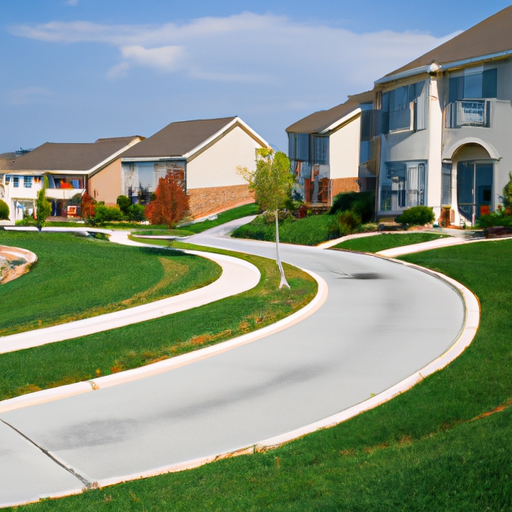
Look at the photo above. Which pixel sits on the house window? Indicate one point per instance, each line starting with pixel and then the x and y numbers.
pixel 27 181
pixel 298 146
pixel 404 108
pixel 321 150
pixel 402 185
pixel 15 181
pixel 467 93
pixel 473 83
pixel 7 179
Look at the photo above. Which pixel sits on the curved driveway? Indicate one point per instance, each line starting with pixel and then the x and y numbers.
pixel 381 322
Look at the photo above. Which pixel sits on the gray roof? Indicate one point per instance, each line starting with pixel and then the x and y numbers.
pixel 53 156
pixel 490 36
pixel 319 121
pixel 178 138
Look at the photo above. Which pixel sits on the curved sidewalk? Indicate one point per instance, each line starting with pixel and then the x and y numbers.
pixel 237 276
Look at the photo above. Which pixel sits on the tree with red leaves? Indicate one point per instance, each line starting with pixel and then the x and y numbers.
pixel 87 207
pixel 171 203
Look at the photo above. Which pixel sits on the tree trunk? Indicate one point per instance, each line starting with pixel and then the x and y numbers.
pixel 283 282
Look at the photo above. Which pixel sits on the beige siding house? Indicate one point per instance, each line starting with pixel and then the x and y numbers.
pixel 327 152
pixel 204 154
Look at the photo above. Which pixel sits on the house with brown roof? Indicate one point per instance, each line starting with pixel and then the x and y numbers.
pixel 203 154
pixel 328 154
pixel 446 120
pixel 435 132
pixel 67 166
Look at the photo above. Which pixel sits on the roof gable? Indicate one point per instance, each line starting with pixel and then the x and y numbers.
pixel 323 119
pixel 491 36
pixel 179 138
pixel 71 156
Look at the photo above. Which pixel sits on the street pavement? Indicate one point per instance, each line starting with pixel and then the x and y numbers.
pixel 381 322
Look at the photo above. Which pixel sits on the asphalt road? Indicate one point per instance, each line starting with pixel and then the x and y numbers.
pixel 381 322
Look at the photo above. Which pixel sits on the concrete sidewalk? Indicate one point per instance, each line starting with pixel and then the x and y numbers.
pixel 237 276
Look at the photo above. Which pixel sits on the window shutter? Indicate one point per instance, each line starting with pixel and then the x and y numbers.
pixel 490 83
pixel 456 88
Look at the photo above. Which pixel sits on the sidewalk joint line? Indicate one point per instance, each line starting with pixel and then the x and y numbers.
pixel 88 484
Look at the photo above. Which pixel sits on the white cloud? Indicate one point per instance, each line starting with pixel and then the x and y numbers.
pixel 71 2
pixel 165 58
pixel 27 95
pixel 248 48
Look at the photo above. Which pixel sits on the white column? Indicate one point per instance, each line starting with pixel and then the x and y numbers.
pixel 435 130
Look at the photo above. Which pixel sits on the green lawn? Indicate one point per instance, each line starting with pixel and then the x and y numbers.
pixel 78 277
pixel 199 227
pixel 445 445
pixel 139 344
pixel 385 241
pixel 308 231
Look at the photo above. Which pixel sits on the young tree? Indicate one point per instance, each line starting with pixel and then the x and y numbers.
pixel 170 204
pixel 272 183
pixel 43 206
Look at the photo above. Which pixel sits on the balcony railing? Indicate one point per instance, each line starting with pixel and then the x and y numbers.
pixel 468 113
pixel 63 193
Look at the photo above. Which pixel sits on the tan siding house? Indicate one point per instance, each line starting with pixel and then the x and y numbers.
pixel 67 166
pixel 204 153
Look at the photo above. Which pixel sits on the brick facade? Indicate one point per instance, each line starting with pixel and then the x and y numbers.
pixel 208 201
pixel 344 185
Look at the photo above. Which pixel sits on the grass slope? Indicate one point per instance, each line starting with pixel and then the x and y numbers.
pixel 385 241
pixel 308 231
pixel 76 277
pixel 444 445
pixel 199 227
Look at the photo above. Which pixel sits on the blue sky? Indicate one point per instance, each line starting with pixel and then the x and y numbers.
pixel 79 70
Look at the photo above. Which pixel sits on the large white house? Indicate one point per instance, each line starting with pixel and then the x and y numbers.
pixel 435 132
pixel 446 124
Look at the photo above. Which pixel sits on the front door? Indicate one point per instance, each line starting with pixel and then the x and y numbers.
pixel 474 189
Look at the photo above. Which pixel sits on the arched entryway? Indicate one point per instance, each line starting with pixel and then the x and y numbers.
pixel 473 166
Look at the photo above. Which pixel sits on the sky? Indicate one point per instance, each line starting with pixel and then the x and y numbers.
pixel 80 70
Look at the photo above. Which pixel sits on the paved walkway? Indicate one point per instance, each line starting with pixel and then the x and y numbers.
pixel 371 338
pixel 237 276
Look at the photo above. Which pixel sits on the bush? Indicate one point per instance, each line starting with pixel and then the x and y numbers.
pixel 416 216
pixel 104 214
pixel 124 204
pixel 348 222
pixel 87 207
pixel 27 220
pixel 171 203
pixel 4 210
pixel 308 231
pixel 495 219
pixel 136 212
pixel 361 203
